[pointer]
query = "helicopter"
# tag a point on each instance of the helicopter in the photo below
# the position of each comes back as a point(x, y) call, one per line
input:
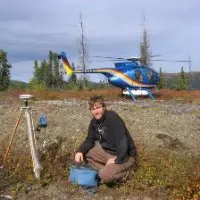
point(128, 75)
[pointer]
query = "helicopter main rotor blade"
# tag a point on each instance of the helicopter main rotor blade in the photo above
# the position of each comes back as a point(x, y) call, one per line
point(104, 60)
point(172, 60)
point(161, 60)
point(109, 57)
point(120, 58)
point(183, 61)
point(156, 55)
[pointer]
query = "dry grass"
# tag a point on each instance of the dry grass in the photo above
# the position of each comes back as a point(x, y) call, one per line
point(110, 93)
point(186, 95)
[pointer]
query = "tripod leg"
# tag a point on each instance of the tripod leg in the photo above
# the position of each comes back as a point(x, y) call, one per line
point(32, 141)
point(11, 140)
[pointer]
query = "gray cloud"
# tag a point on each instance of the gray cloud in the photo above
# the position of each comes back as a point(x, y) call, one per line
point(29, 29)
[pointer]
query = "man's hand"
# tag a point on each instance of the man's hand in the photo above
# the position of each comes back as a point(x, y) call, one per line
point(79, 157)
point(111, 160)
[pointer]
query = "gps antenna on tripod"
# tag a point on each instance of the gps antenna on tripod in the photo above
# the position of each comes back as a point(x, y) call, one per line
point(31, 135)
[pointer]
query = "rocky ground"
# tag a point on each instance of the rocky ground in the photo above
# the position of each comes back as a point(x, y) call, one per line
point(170, 124)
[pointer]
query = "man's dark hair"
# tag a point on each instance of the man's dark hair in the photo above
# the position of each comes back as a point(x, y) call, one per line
point(96, 99)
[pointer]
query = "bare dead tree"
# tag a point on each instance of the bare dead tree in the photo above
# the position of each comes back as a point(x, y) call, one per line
point(145, 47)
point(83, 48)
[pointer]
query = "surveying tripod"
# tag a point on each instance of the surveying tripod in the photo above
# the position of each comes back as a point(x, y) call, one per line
point(32, 140)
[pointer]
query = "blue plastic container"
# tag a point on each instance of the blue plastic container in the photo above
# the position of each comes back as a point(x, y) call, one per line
point(43, 121)
point(83, 176)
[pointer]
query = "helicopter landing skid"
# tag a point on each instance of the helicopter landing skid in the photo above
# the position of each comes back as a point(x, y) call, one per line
point(150, 94)
point(143, 92)
point(131, 93)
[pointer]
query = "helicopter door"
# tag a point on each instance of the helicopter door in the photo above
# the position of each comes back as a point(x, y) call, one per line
point(138, 76)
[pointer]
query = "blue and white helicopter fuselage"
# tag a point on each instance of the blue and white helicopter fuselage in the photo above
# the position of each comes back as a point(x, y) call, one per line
point(129, 76)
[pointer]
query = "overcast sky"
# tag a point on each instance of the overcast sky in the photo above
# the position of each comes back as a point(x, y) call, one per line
point(29, 29)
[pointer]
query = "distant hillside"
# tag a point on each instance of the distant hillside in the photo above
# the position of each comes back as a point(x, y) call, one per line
point(171, 78)
point(18, 84)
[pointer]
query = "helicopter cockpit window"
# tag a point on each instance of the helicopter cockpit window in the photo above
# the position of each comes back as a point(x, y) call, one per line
point(150, 76)
point(138, 76)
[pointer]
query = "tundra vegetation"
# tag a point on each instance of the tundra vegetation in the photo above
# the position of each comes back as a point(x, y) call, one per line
point(166, 134)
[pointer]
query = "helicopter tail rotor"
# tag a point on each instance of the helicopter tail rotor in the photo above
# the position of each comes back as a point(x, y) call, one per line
point(66, 65)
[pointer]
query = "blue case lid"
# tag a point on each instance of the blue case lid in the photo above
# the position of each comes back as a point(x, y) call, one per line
point(83, 176)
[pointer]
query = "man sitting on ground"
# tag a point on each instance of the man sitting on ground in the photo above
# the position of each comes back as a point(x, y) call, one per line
point(108, 147)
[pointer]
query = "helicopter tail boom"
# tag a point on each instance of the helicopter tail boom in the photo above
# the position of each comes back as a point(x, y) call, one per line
point(66, 65)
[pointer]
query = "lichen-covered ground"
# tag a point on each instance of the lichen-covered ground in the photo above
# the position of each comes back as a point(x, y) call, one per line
point(170, 125)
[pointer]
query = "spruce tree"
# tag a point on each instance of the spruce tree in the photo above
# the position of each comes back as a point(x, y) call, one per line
point(50, 73)
point(45, 71)
point(56, 72)
point(161, 81)
point(4, 71)
point(181, 83)
point(37, 75)
point(183, 80)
